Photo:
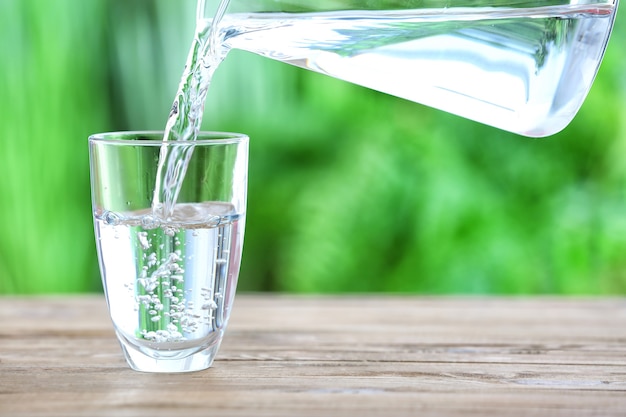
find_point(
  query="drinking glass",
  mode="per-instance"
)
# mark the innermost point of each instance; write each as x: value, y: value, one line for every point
x: 169, y: 276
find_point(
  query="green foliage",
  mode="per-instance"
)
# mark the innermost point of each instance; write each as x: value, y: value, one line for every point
x: 350, y: 190
x: 53, y: 96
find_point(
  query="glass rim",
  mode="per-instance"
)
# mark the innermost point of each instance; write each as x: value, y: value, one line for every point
x: 132, y: 137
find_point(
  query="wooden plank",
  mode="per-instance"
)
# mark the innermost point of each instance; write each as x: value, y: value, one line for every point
x: 338, y: 355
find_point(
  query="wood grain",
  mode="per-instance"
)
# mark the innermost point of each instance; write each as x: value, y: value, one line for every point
x: 330, y: 356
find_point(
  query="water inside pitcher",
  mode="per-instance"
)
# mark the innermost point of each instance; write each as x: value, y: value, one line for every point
x: 521, y: 66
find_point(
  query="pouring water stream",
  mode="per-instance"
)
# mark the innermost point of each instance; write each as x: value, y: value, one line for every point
x: 185, y: 117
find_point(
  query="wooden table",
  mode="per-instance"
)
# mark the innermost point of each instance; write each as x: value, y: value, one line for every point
x: 330, y: 356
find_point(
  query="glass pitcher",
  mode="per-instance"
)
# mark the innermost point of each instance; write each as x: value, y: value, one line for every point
x: 520, y: 65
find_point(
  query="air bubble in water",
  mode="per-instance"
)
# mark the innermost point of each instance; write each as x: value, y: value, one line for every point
x: 143, y: 240
x: 213, y: 221
x: 111, y: 218
x: 149, y: 222
x: 210, y: 305
x: 170, y: 230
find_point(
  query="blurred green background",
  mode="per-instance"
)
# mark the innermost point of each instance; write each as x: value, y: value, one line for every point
x: 350, y: 189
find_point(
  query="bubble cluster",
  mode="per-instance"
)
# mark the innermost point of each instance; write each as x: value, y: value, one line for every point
x: 149, y: 222
x: 143, y: 240
x: 166, y: 308
x: 171, y: 334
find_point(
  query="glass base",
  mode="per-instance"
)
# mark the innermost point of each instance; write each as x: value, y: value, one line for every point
x: 198, y: 360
